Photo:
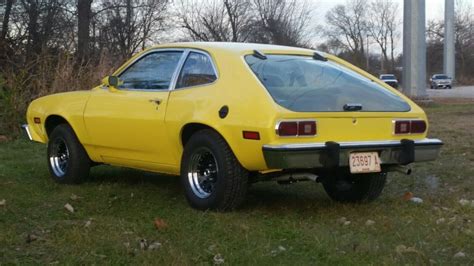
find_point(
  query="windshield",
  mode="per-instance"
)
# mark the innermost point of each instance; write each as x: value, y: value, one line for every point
x: 440, y: 77
x: 303, y: 84
x: 388, y: 77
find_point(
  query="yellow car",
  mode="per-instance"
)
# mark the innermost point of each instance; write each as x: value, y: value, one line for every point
x: 225, y: 115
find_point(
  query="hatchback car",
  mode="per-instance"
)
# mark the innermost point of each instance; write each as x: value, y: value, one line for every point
x: 225, y: 115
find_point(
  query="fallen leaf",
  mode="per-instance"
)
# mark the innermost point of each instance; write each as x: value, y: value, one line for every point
x: 441, y: 221
x: 69, y: 208
x: 281, y: 248
x: 369, y: 223
x: 143, y: 244
x: 218, y: 259
x: 407, y: 196
x: 3, y: 138
x: 3, y: 202
x: 74, y: 197
x: 30, y: 238
x: 154, y: 245
x: 88, y: 223
x: 342, y: 220
x: 416, y: 200
x: 460, y: 255
x: 160, y: 224
x: 347, y: 223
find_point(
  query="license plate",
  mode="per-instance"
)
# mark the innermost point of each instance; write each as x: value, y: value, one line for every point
x: 364, y: 162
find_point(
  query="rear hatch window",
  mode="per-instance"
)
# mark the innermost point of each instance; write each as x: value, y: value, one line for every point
x: 304, y: 84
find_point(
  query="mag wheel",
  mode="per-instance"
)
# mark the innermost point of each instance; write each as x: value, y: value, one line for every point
x: 211, y: 175
x: 68, y: 162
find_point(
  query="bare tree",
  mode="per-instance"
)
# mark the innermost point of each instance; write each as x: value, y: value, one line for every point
x: 213, y: 20
x: 282, y: 22
x: 383, y: 28
x: 124, y: 26
x: 348, y: 24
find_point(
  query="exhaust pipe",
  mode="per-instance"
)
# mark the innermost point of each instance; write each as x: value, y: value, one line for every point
x: 399, y: 168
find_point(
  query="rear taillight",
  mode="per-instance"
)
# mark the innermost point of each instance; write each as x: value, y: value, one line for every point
x: 409, y: 127
x: 418, y: 126
x: 288, y: 129
x: 296, y: 128
x: 306, y: 128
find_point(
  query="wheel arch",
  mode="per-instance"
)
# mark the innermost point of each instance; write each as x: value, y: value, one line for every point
x: 53, y: 121
x: 190, y: 129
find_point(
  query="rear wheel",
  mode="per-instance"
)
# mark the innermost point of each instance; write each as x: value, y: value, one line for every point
x: 68, y: 162
x: 346, y: 187
x: 211, y: 175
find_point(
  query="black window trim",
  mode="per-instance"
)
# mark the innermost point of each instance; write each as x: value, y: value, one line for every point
x: 181, y: 65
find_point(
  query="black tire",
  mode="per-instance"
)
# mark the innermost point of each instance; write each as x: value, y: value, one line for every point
x: 225, y: 186
x: 346, y: 187
x: 62, y: 142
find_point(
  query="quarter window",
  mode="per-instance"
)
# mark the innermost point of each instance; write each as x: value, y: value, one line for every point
x: 197, y: 70
x: 152, y: 72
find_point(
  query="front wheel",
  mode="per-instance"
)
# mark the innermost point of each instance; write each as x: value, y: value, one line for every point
x: 346, y: 187
x: 68, y: 162
x: 211, y: 175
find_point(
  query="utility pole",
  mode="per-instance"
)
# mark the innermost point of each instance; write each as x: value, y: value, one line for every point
x: 414, y: 49
x: 448, y: 55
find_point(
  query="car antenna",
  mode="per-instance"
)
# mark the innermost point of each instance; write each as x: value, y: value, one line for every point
x: 319, y: 57
x: 259, y: 55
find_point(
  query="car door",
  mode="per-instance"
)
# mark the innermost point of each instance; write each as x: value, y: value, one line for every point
x: 126, y: 126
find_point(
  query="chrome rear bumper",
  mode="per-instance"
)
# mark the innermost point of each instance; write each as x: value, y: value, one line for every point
x: 27, y: 130
x: 333, y: 154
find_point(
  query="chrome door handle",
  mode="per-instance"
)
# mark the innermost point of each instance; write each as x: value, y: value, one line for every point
x: 157, y: 101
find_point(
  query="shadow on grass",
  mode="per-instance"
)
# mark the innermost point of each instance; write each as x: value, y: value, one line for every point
x: 262, y: 195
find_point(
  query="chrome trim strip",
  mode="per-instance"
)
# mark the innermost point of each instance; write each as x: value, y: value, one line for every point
x: 27, y: 129
x: 350, y: 144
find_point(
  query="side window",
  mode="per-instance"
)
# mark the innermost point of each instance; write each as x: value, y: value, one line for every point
x: 197, y: 70
x: 152, y: 72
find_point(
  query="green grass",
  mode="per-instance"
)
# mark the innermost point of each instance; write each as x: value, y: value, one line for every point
x: 295, y: 224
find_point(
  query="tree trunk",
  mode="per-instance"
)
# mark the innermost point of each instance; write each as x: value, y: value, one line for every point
x: 6, y: 19
x: 83, y: 24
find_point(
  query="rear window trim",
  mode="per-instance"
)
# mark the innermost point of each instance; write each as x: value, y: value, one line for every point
x: 309, y: 56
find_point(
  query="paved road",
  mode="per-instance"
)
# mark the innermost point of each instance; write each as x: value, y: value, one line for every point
x: 461, y: 92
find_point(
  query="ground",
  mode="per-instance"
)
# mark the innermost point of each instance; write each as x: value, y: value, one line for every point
x: 459, y: 92
x: 115, y: 213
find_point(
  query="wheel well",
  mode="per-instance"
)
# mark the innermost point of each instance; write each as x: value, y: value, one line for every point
x: 53, y: 121
x: 190, y: 129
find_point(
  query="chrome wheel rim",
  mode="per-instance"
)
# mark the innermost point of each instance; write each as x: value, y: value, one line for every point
x: 59, y: 157
x: 202, y: 172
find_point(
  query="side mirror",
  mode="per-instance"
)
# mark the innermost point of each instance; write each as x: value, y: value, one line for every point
x: 112, y: 82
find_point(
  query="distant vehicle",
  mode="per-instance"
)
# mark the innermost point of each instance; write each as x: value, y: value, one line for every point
x: 441, y: 81
x: 390, y: 79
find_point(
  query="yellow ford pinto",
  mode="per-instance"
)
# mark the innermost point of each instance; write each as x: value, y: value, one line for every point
x: 225, y: 115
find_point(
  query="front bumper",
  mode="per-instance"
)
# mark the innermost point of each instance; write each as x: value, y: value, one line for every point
x: 27, y: 131
x: 333, y: 154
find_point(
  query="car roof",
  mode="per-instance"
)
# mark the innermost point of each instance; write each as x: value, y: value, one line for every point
x: 236, y: 47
